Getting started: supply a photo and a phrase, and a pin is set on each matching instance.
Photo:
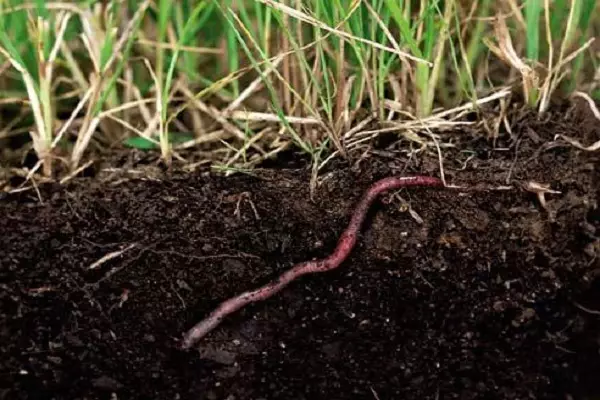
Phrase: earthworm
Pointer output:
(344, 246)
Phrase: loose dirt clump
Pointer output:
(448, 294)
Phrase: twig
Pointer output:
(587, 310)
(110, 256)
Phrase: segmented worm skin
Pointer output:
(344, 246)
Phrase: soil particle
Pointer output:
(106, 383)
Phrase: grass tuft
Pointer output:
(247, 79)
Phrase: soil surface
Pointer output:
(448, 294)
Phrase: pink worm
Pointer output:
(343, 248)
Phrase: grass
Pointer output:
(248, 79)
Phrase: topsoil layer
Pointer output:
(448, 294)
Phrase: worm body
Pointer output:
(344, 246)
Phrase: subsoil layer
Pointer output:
(448, 294)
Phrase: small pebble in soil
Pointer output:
(220, 356)
(231, 265)
(106, 383)
(149, 338)
(74, 341)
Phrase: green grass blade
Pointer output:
(405, 28)
(533, 9)
(112, 80)
(186, 35)
(233, 62)
(279, 111)
(108, 44)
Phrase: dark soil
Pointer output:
(489, 295)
